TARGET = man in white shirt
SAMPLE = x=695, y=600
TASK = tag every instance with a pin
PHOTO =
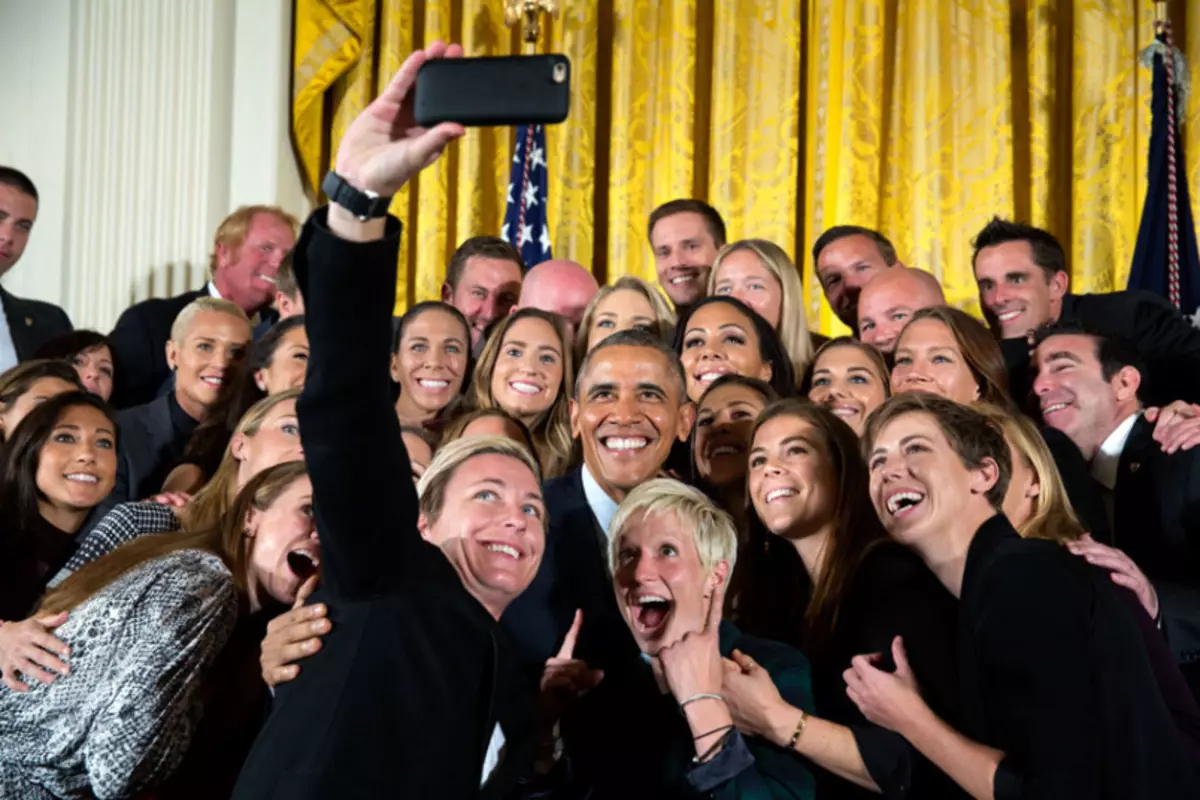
x=25, y=325
x=629, y=409
x=1087, y=387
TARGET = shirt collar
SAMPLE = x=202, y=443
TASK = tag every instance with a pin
x=212, y=291
x=1108, y=457
x=603, y=507
x=181, y=424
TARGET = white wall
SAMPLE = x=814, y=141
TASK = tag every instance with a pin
x=143, y=123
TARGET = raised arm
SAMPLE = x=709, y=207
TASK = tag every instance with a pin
x=346, y=269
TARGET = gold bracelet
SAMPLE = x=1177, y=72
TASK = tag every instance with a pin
x=799, y=729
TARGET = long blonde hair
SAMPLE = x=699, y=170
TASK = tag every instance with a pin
x=793, y=323
x=214, y=498
x=1053, y=516
x=664, y=315
x=551, y=429
x=223, y=539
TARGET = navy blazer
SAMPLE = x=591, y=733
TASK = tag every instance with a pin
x=573, y=575
x=1156, y=516
x=139, y=347
x=32, y=323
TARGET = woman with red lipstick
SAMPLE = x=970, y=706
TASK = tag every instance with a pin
x=526, y=369
x=820, y=574
x=723, y=336
x=431, y=363
x=59, y=465
x=850, y=379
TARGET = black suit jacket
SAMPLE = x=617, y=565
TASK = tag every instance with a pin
x=1156, y=513
x=573, y=575
x=32, y=323
x=1167, y=342
x=403, y=696
x=1054, y=674
x=139, y=347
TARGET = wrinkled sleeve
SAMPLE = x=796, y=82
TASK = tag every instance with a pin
x=179, y=624
x=120, y=526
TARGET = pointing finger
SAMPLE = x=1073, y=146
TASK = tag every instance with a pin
x=568, y=646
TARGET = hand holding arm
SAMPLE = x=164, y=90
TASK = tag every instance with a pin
x=292, y=636
x=27, y=647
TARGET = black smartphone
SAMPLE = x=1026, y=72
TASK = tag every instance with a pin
x=507, y=90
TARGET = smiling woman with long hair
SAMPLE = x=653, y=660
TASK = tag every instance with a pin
x=59, y=465
x=526, y=368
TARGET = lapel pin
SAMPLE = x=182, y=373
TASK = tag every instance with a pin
x=29, y=322
x=1134, y=466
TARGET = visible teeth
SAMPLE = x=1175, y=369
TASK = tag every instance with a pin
x=525, y=388
x=1050, y=409
x=507, y=550
x=845, y=411
x=82, y=477
x=267, y=278
x=903, y=500
x=1009, y=315
x=647, y=599
x=629, y=443
x=427, y=383
x=776, y=494
x=724, y=450
x=709, y=377
x=681, y=279
x=213, y=381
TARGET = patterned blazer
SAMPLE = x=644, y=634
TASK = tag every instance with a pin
x=122, y=720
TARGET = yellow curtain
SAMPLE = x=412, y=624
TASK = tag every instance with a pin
x=916, y=117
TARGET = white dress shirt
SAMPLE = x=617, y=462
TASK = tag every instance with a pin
x=603, y=507
x=1108, y=458
x=8, y=348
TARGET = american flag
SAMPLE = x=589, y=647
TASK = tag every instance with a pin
x=525, y=223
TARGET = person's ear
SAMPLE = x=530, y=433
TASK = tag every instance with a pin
x=224, y=255
x=1126, y=383
x=238, y=445
x=251, y=523
x=259, y=380
x=766, y=373
x=718, y=577
x=395, y=367
x=687, y=418
x=1034, y=490
x=1058, y=285
x=423, y=525
x=984, y=476
x=172, y=355
x=573, y=408
x=447, y=293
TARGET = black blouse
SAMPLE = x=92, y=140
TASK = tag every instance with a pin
x=28, y=559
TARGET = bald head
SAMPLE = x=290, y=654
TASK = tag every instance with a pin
x=889, y=299
x=560, y=287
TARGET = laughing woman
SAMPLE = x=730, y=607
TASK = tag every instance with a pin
x=147, y=626
x=431, y=362
x=850, y=379
x=820, y=574
x=60, y=464
x=723, y=336
x=528, y=357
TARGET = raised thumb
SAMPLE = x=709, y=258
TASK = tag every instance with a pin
x=901, y=658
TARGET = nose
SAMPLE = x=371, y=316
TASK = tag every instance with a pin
x=625, y=410
x=643, y=570
x=515, y=519
x=1042, y=383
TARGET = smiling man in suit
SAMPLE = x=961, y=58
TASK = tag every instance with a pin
x=630, y=407
x=248, y=248
x=1088, y=387
x=25, y=325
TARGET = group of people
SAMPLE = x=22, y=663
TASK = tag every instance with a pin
x=546, y=539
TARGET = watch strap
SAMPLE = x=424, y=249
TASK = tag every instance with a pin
x=362, y=204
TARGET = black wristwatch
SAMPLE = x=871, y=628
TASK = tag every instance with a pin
x=363, y=204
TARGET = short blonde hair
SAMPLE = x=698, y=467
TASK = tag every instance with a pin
x=664, y=315
x=712, y=528
x=183, y=320
x=233, y=229
x=793, y=324
x=452, y=455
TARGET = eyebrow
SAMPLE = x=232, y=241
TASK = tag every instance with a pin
x=71, y=427
x=726, y=326
x=1064, y=355
x=911, y=437
x=519, y=343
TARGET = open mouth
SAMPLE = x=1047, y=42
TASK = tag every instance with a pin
x=624, y=444
x=506, y=550
x=680, y=278
x=433, y=385
x=845, y=411
x=1053, y=408
x=82, y=477
x=710, y=374
x=303, y=563
x=266, y=278
x=780, y=494
x=901, y=504
x=1009, y=316
x=720, y=450
x=522, y=387
x=652, y=612
x=216, y=383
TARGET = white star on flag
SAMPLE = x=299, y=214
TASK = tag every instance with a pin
x=544, y=240
x=508, y=194
x=531, y=195
x=504, y=233
x=525, y=224
x=538, y=157
x=526, y=235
